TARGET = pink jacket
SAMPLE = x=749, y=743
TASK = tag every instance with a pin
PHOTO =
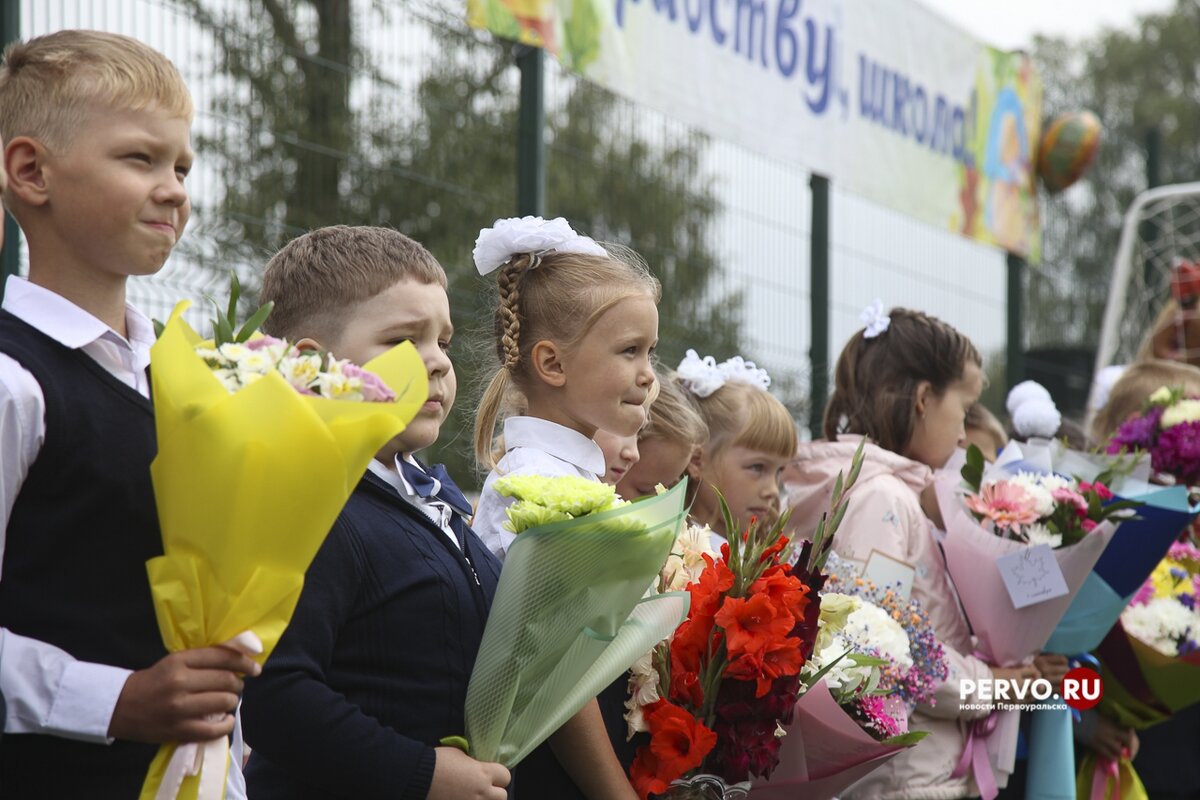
x=885, y=514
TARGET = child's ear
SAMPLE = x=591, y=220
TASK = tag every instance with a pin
x=547, y=363
x=695, y=467
x=923, y=394
x=24, y=161
x=308, y=345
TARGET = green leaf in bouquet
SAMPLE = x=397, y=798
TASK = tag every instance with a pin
x=864, y=660
x=225, y=327
x=906, y=739
x=1121, y=505
x=222, y=331
x=823, y=537
x=823, y=670
x=254, y=323
x=235, y=294
x=972, y=471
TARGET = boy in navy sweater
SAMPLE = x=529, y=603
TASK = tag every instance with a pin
x=372, y=672
x=97, y=133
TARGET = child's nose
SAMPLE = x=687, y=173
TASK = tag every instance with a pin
x=436, y=361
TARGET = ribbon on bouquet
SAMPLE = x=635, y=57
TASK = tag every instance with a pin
x=1105, y=770
x=975, y=756
x=209, y=759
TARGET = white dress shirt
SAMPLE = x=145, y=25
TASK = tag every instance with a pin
x=439, y=513
x=47, y=690
x=533, y=446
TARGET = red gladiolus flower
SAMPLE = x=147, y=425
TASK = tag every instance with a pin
x=779, y=660
x=752, y=625
x=706, y=592
x=773, y=550
x=685, y=679
x=784, y=590
x=643, y=774
x=678, y=743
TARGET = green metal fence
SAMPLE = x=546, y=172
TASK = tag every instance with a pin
x=315, y=112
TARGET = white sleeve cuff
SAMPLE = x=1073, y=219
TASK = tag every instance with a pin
x=84, y=704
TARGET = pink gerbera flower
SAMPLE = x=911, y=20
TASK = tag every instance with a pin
x=1005, y=504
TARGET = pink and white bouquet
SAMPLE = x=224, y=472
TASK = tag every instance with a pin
x=997, y=517
x=893, y=661
x=1038, y=507
x=309, y=372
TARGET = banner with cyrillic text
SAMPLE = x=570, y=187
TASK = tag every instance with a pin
x=884, y=97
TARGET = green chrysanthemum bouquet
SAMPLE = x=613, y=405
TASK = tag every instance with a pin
x=573, y=608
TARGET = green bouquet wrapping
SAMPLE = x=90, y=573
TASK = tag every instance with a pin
x=573, y=609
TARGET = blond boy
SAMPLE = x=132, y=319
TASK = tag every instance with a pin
x=97, y=133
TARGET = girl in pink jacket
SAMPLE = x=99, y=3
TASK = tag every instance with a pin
x=906, y=381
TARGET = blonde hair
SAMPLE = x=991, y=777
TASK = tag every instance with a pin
x=316, y=279
x=556, y=297
x=980, y=418
x=49, y=83
x=741, y=415
x=1133, y=389
x=673, y=417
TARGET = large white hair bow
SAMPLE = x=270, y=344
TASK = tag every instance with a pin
x=703, y=376
x=515, y=235
x=1033, y=411
x=875, y=319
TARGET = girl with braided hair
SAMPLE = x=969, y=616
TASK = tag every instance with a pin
x=576, y=325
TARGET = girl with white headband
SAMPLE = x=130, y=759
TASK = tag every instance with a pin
x=751, y=437
x=576, y=325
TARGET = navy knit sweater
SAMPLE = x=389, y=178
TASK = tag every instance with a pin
x=373, y=670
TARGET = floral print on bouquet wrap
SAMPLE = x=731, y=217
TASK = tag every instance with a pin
x=247, y=485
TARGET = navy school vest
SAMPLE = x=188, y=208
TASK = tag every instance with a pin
x=74, y=565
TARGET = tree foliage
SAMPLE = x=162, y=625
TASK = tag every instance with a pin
x=344, y=111
x=1137, y=80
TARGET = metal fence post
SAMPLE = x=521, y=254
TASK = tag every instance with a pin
x=531, y=140
x=1014, y=363
x=819, y=302
x=10, y=30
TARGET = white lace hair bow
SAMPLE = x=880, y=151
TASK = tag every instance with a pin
x=875, y=318
x=515, y=235
x=1032, y=411
x=703, y=376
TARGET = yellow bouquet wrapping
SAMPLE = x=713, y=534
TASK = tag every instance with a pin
x=247, y=486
